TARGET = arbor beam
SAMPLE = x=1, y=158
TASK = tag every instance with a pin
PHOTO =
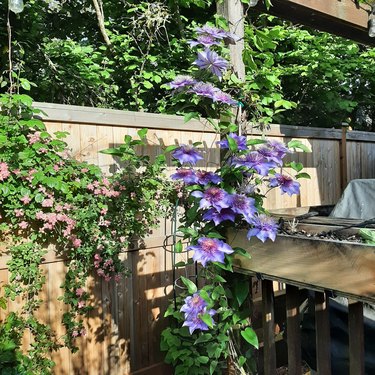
x=344, y=18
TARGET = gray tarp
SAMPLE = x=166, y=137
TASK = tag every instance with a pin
x=357, y=201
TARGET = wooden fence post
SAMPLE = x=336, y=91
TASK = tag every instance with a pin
x=323, y=337
x=343, y=157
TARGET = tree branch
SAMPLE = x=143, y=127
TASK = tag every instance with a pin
x=98, y=5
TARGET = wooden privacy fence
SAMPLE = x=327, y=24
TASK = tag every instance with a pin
x=123, y=329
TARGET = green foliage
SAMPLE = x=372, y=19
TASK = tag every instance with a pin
x=368, y=235
x=293, y=75
x=207, y=352
x=330, y=79
x=49, y=199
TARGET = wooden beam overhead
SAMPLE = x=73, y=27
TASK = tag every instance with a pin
x=344, y=18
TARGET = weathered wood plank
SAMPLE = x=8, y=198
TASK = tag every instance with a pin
x=62, y=358
x=293, y=330
x=356, y=339
x=345, y=18
x=309, y=263
x=268, y=328
x=323, y=337
x=116, y=118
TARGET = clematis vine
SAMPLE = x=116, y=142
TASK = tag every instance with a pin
x=213, y=201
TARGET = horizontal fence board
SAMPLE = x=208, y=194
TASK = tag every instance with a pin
x=119, y=118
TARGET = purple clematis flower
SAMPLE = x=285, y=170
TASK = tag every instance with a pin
x=212, y=61
x=194, y=307
x=263, y=227
x=204, y=89
x=213, y=197
x=274, y=151
x=182, y=81
x=210, y=250
x=204, y=178
x=197, y=323
x=286, y=183
x=214, y=32
x=218, y=217
x=279, y=147
x=241, y=204
x=256, y=161
x=225, y=98
x=204, y=39
x=187, y=154
x=240, y=140
x=187, y=175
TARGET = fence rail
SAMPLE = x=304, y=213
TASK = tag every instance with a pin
x=123, y=329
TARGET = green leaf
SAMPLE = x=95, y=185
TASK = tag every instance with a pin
x=215, y=235
x=112, y=151
x=39, y=198
x=192, y=288
x=241, y=290
x=243, y=252
x=142, y=133
x=147, y=84
x=207, y=318
x=368, y=235
x=303, y=175
x=178, y=247
x=170, y=148
x=250, y=336
x=180, y=264
x=202, y=359
x=191, y=115
x=3, y=303
x=252, y=142
x=233, y=146
x=213, y=365
x=204, y=337
x=235, y=79
x=296, y=144
x=296, y=166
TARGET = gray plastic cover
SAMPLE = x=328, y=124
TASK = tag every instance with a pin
x=357, y=201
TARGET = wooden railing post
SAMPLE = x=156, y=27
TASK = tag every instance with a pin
x=293, y=330
x=269, y=328
x=323, y=337
x=356, y=339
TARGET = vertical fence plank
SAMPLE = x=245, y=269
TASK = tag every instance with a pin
x=293, y=330
x=323, y=338
x=62, y=357
x=269, y=328
x=356, y=339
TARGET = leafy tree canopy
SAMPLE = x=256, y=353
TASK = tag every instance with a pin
x=294, y=75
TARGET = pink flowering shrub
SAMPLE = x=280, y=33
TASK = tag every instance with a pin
x=47, y=198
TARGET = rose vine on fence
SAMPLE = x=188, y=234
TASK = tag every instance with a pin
x=212, y=314
x=49, y=199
